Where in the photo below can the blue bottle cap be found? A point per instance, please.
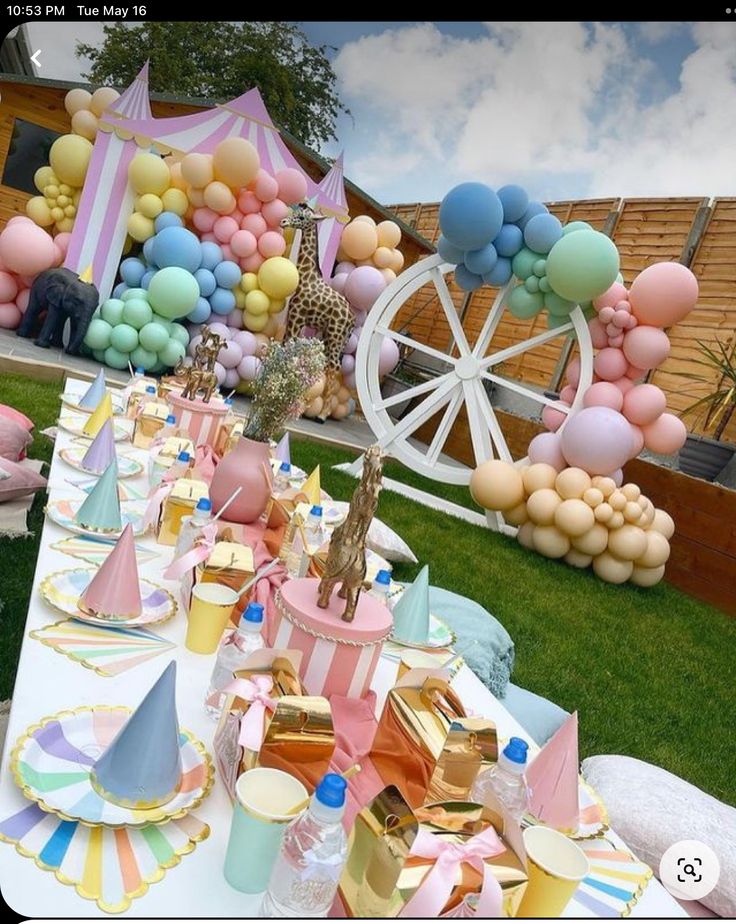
(383, 577)
(516, 750)
(183, 456)
(228, 400)
(204, 504)
(316, 511)
(150, 389)
(139, 370)
(331, 790)
(253, 613)
(171, 419)
(285, 467)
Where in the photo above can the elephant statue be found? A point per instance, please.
(62, 294)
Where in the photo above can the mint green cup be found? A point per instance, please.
(264, 802)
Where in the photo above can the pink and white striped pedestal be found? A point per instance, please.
(201, 420)
(338, 657)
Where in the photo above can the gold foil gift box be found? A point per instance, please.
(229, 563)
(228, 435)
(179, 503)
(173, 445)
(270, 721)
(138, 394)
(425, 743)
(151, 419)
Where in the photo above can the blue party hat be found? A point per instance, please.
(101, 508)
(281, 452)
(95, 393)
(411, 611)
(101, 452)
(141, 768)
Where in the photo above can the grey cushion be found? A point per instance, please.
(539, 716)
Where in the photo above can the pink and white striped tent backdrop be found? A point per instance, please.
(331, 189)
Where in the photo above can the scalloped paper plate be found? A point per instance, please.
(62, 590)
(52, 761)
(128, 467)
(72, 401)
(593, 814)
(63, 512)
(74, 423)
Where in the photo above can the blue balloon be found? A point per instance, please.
(481, 261)
(206, 282)
(514, 200)
(228, 274)
(542, 232)
(534, 208)
(147, 277)
(500, 274)
(509, 242)
(201, 312)
(167, 220)
(177, 247)
(119, 289)
(148, 250)
(471, 215)
(131, 271)
(211, 254)
(222, 301)
(449, 252)
(467, 280)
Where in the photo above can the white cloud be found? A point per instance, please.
(655, 32)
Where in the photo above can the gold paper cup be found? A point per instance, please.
(556, 866)
(208, 616)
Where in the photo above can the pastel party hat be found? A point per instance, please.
(114, 591)
(553, 779)
(101, 508)
(281, 452)
(141, 768)
(101, 413)
(95, 393)
(411, 611)
(101, 451)
(312, 489)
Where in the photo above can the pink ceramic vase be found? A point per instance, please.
(248, 466)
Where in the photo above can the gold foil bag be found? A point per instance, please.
(178, 504)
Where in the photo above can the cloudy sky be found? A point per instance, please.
(569, 110)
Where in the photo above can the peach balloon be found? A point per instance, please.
(552, 418)
(663, 294)
(271, 244)
(84, 123)
(218, 197)
(627, 542)
(632, 512)
(389, 234)
(593, 542)
(77, 100)
(537, 476)
(256, 224)
(551, 542)
(637, 440)
(389, 275)
(634, 373)
(274, 212)
(578, 559)
(248, 202)
(646, 577)
(614, 294)
(598, 334)
(603, 512)
(568, 394)
(657, 551)
(517, 516)
(197, 170)
(397, 260)
(243, 243)
(102, 99)
(235, 162)
(605, 485)
(382, 258)
(572, 483)
(593, 497)
(572, 373)
(624, 384)
(525, 535)
(646, 347)
(603, 394)
(541, 506)
(617, 500)
(643, 404)
(252, 263)
(292, 185)
(359, 240)
(224, 228)
(631, 491)
(663, 523)
(177, 180)
(496, 485)
(574, 517)
(611, 569)
(610, 364)
(265, 186)
(204, 219)
(196, 197)
(666, 435)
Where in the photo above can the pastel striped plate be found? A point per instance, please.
(95, 549)
(128, 467)
(614, 885)
(74, 423)
(51, 764)
(64, 511)
(126, 492)
(72, 401)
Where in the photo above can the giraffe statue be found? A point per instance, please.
(315, 303)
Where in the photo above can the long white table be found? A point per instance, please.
(48, 682)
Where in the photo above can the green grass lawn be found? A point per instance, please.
(646, 669)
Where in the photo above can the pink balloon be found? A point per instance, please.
(352, 345)
(271, 244)
(347, 363)
(265, 186)
(227, 253)
(58, 255)
(246, 341)
(235, 320)
(603, 394)
(624, 384)
(243, 243)
(617, 341)
(224, 228)
(545, 447)
(274, 212)
(610, 364)
(631, 322)
(663, 294)
(618, 477)
(220, 373)
(598, 334)
(22, 299)
(62, 240)
(222, 330)
(606, 315)
(643, 404)
(646, 347)
(248, 203)
(232, 378)
(208, 236)
(572, 375)
(634, 373)
(292, 185)
(612, 330)
(388, 357)
(8, 287)
(610, 297)
(568, 394)
(597, 439)
(665, 435)
(204, 219)
(256, 224)
(230, 355)
(621, 318)
(338, 282)
(345, 266)
(237, 215)
(637, 441)
(363, 287)
(349, 381)
(10, 316)
(252, 263)
(193, 343)
(20, 220)
(248, 368)
(26, 249)
(553, 419)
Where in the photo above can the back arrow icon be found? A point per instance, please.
(34, 58)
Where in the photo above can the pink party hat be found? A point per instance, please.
(101, 450)
(114, 592)
(553, 779)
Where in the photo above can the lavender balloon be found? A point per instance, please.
(597, 439)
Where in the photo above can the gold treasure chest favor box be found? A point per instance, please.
(229, 563)
(149, 421)
(179, 503)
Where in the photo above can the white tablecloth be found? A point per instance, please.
(48, 682)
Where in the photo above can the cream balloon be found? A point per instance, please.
(541, 506)
(538, 476)
(77, 100)
(574, 517)
(605, 485)
(389, 234)
(84, 123)
(631, 491)
(496, 485)
(617, 520)
(578, 559)
(627, 542)
(663, 523)
(235, 162)
(593, 542)
(516, 516)
(646, 577)
(572, 483)
(593, 497)
(611, 569)
(525, 535)
(657, 551)
(102, 99)
(551, 542)
(603, 512)
(617, 500)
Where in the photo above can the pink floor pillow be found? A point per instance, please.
(14, 438)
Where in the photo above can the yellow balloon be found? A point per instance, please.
(76, 196)
(148, 173)
(102, 99)
(359, 240)
(389, 234)
(239, 298)
(603, 512)
(541, 506)
(646, 577)
(70, 211)
(525, 535)
(616, 520)
(66, 224)
(69, 158)
(496, 485)
(177, 180)
(605, 485)
(632, 512)
(278, 277)
(627, 543)
(39, 212)
(593, 542)
(551, 542)
(61, 201)
(196, 197)
(537, 476)
(255, 322)
(236, 162)
(663, 523)
(248, 282)
(574, 517)
(257, 302)
(219, 197)
(149, 205)
(65, 190)
(76, 100)
(631, 491)
(617, 500)
(277, 305)
(611, 569)
(52, 191)
(572, 483)
(578, 559)
(657, 551)
(57, 213)
(84, 123)
(175, 200)
(140, 228)
(43, 177)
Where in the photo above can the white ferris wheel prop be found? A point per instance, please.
(461, 384)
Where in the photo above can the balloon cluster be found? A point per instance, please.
(25, 251)
(85, 108)
(238, 362)
(151, 180)
(581, 519)
(342, 407)
(262, 295)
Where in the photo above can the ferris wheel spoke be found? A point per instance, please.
(491, 322)
(502, 355)
(479, 432)
(443, 430)
(421, 413)
(414, 344)
(491, 422)
(450, 310)
(410, 393)
(520, 389)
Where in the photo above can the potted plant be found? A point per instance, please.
(702, 456)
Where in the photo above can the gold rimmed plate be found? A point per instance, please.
(64, 512)
(128, 467)
(72, 401)
(74, 423)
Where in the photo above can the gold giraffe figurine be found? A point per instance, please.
(200, 376)
(346, 556)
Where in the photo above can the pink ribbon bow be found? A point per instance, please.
(432, 894)
(254, 691)
(199, 553)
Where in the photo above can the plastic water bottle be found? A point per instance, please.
(192, 526)
(180, 468)
(313, 528)
(281, 481)
(313, 853)
(505, 780)
(381, 586)
(233, 653)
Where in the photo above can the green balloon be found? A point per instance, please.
(124, 338)
(540, 268)
(112, 311)
(172, 353)
(144, 358)
(544, 285)
(556, 320)
(159, 367)
(582, 265)
(524, 304)
(531, 284)
(180, 333)
(523, 263)
(133, 293)
(99, 355)
(98, 334)
(116, 359)
(576, 226)
(173, 292)
(153, 337)
(137, 312)
(556, 305)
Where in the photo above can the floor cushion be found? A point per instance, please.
(651, 809)
(539, 716)
(13, 439)
(12, 414)
(21, 480)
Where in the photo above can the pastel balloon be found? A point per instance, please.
(597, 439)
(77, 100)
(388, 357)
(256, 224)
(509, 241)
(218, 197)
(230, 355)
(665, 435)
(69, 158)
(26, 249)
(610, 364)
(248, 368)
(598, 334)
(251, 265)
(646, 347)
(552, 418)
(483, 260)
(227, 274)
(338, 282)
(177, 247)
(449, 252)
(545, 448)
(637, 440)
(271, 244)
(8, 287)
(612, 569)
(550, 541)
(514, 201)
(572, 483)
(206, 282)
(173, 292)
(663, 294)
(500, 274)
(347, 363)
(611, 297)
(643, 404)
(646, 577)
(359, 240)
(278, 277)
(496, 485)
(471, 215)
(224, 228)
(265, 186)
(84, 123)
(582, 265)
(102, 99)
(292, 185)
(235, 162)
(248, 202)
(572, 373)
(467, 280)
(246, 341)
(604, 394)
(364, 285)
(274, 212)
(243, 243)
(574, 517)
(568, 394)
(534, 208)
(389, 234)
(541, 233)
(10, 316)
